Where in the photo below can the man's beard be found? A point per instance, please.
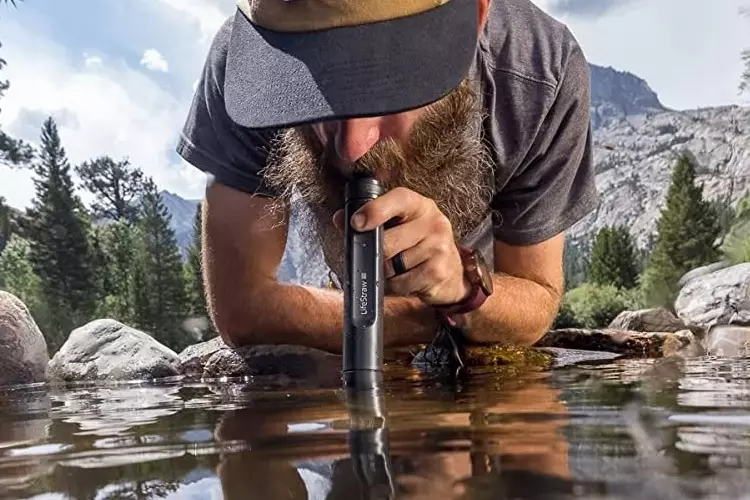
(444, 160)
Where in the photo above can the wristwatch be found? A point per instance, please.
(479, 276)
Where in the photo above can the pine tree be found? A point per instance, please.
(613, 258)
(115, 185)
(160, 297)
(575, 263)
(60, 250)
(687, 232)
(118, 242)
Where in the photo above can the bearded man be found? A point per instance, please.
(473, 113)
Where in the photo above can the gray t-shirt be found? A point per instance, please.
(535, 83)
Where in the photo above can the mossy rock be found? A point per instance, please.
(483, 356)
(503, 355)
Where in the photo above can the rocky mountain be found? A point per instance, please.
(183, 215)
(617, 95)
(634, 160)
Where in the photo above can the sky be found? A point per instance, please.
(118, 76)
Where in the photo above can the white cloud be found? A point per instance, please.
(105, 108)
(153, 60)
(92, 61)
(207, 14)
(690, 60)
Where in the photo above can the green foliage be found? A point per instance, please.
(160, 298)
(4, 224)
(736, 245)
(17, 275)
(58, 228)
(613, 258)
(118, 244)
(575, 263)
(687, 232)
(595, 306)
(565, 317)
(115, 186)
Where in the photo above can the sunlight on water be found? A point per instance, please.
(668, 428)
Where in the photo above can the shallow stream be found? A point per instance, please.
(666, 428)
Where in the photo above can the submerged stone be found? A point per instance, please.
(279, 361)
(628, 343)
(23, 350)
(106, 349)
(567, 357)
(501, 355)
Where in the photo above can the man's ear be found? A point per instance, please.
(484, 8)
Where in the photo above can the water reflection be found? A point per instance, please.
(432, 443)
(670, 428)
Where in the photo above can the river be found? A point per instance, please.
(659, 428)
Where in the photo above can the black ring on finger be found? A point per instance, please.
(398, 264)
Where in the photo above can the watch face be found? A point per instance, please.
(483, 273)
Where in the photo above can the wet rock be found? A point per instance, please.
(567, 357)
(648, 320)
(628, 343)
(275, 361)
(23, 350)
(106, 349)
(194, 358)
(728, 340)
(718, 298)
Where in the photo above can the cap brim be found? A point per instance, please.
(276, 79)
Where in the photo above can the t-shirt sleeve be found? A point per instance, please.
(211, 141)
(554, 186)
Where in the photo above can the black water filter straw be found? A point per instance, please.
(363, 291)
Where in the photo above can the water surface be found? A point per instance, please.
(668, 428)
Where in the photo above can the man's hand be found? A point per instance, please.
(424, 238)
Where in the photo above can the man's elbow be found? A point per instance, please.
(236, 327)
(537, 325)
(548, 312)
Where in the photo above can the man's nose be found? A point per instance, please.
(354, 138)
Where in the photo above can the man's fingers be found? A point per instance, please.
(402, 237)
(338, 220)
(412, 257)
(403, 203)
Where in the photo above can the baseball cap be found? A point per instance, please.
(291, 62)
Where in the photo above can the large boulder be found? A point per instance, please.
(194, 358)
(718, 298)
(648, 320)
(699, 272)
(629, 344)
(23, 350)
(106, 349)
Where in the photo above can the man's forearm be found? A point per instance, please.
(294, 314)
(519, 312)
